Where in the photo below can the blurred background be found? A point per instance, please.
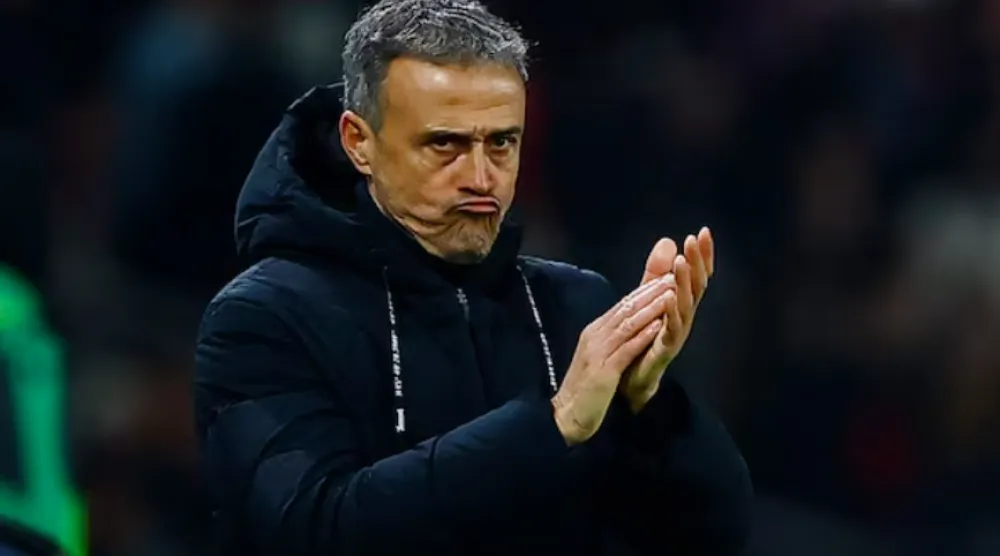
(845, 152)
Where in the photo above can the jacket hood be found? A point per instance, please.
(299, 195)
(304, 198)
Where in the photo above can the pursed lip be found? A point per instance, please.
(480, 206)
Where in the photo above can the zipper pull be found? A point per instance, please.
(463, 301)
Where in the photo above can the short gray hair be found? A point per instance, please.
(439, 31)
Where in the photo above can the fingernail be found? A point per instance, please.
(670, 294)
(680, 260)
(670, 279)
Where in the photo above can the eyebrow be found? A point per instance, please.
(465, 134)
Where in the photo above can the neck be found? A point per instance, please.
(411, 256)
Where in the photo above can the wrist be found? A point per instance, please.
(637, 400)
(565, 422)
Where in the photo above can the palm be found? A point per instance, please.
(691, 271)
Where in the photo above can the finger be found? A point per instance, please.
(667, 279)
(633, 324)
(685, 300)
(633, 303)
(624, 303)
(660, 260)
(699, 277)
(622, 357)
(671, 280)
(665, 337)
(652, 311)
(672, 321)
(707, 246)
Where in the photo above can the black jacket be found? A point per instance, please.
(356, 396)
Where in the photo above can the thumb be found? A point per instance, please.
(660, 260)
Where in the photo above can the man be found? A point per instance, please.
(390, 377)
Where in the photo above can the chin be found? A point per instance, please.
(468, 246)
(466, 256)
(471, 251)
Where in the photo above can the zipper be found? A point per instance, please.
(463, 301)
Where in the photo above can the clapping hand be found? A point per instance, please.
(686, 275)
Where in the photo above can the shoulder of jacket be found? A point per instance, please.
(571, 284)
(564, 275)
(282, 287)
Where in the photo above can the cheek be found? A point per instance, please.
(428, 189)
(410, 180)
(505, 178)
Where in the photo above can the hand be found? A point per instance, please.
(688, 276)
(606, 348)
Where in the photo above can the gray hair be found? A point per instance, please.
(439, 31)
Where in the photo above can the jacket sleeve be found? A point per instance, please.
(284, 460)
(680, 483)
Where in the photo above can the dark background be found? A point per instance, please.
(846, 154)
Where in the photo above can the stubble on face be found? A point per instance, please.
(450, 137)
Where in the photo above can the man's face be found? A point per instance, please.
(445, 159)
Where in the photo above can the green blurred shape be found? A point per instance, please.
(44, 499)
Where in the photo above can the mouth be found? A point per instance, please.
(480, 207)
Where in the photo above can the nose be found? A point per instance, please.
(479, 181)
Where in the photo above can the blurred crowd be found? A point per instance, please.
(846, 154)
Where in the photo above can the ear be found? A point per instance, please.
(357, 139)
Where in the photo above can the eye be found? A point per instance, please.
(441, 142)
(502, 141)
(446, 143)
